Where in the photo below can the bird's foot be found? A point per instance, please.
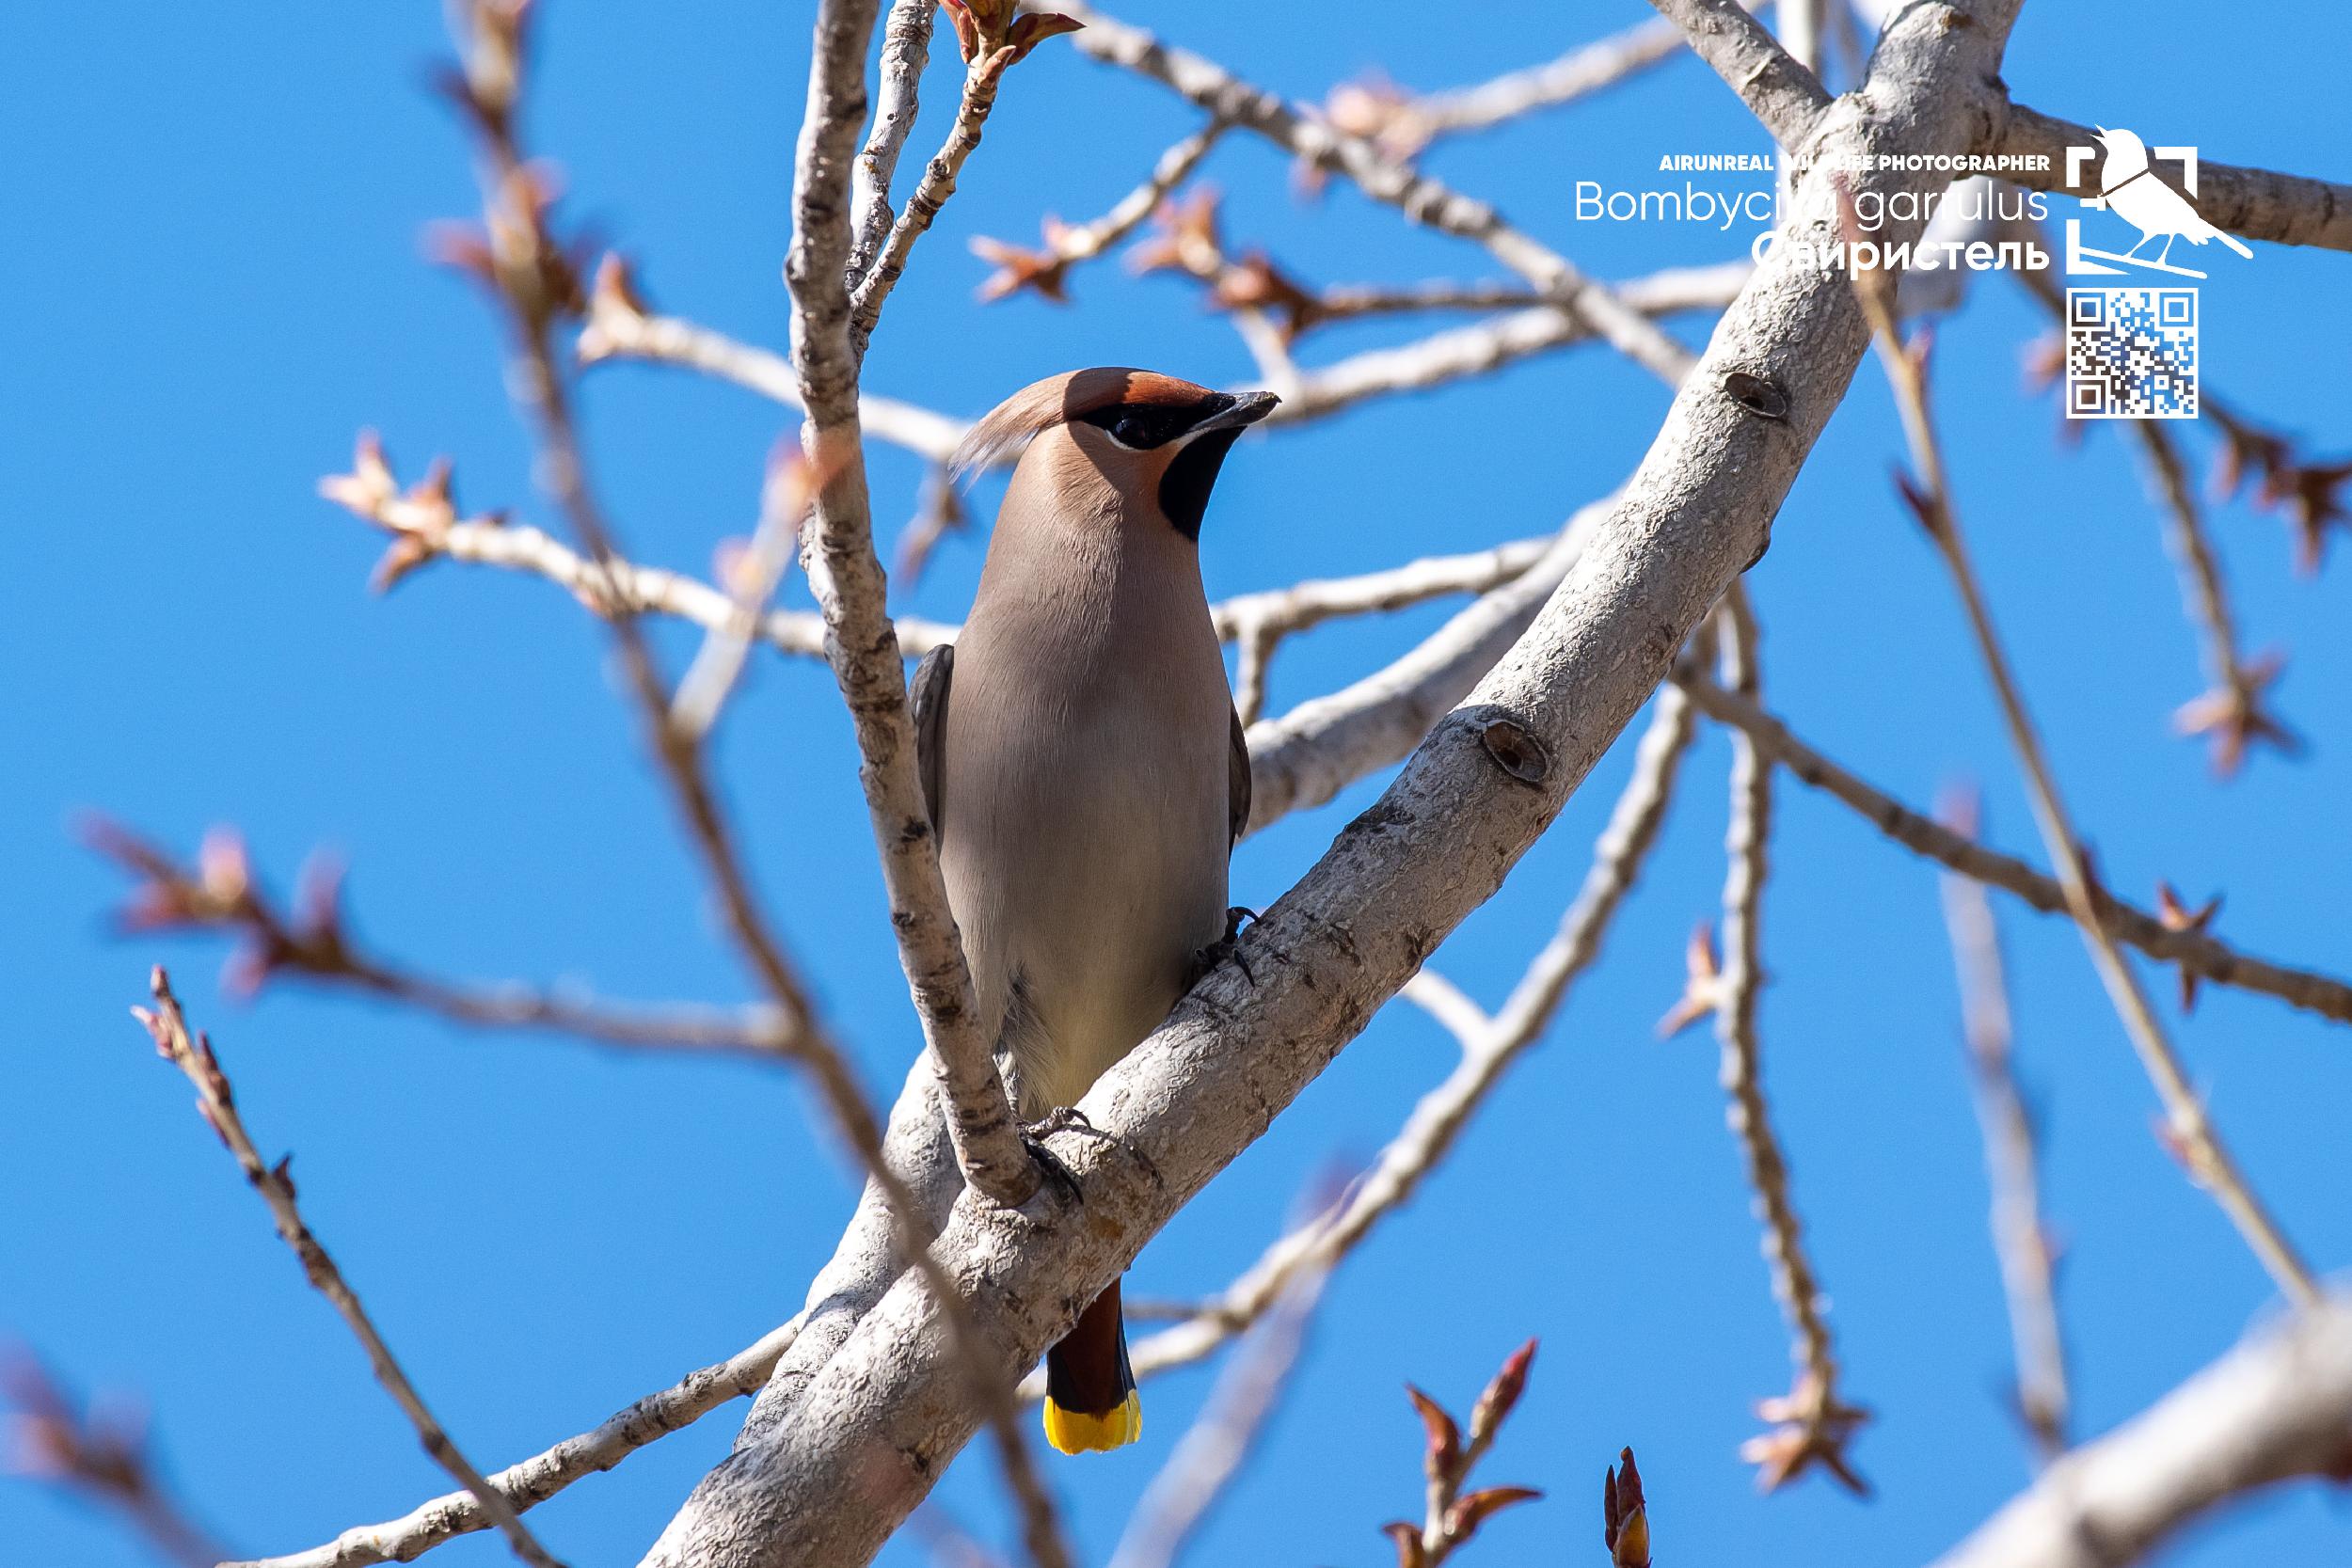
(1069, 1118)
(1061, 1118)
(1224, 947)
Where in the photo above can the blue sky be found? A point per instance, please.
(215, 281)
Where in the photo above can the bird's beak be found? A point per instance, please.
(1245, 409)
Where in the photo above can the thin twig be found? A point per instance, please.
(1579, 74)
(314, 941)
(1048, 270)
(981, 80)
(533, 1480)
(2197, 952)
(622, 326)
(1210, 86)
(2232, 712)
(103, 1456)
(1457, 353)
(528, 269)
(1258, 622)
(603, 590)
(718, 664)
(193, 1055)
(906, 49)
(2021, 1241)
(1815, 1423)
(1213, 1449)
(2188, 1125)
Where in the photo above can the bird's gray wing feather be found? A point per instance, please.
(1237, 782)
(931, 725)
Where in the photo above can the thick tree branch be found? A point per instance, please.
(861, 1436)
(2277, 1409)
(1775, 86)
(1490, 1044)
(2255, 203)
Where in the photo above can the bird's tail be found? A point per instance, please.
(2233, 243)
(1091, 1401)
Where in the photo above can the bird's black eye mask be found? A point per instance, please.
(1141, 426)
(1219, 418)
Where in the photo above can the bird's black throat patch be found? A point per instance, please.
(1184, 488)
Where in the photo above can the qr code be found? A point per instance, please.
(2131, 354)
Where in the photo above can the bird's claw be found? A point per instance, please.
(1069, 1118)
(1062, 1119)
(1224, 947)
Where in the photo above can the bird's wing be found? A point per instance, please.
(1237, 781)
(931, 724)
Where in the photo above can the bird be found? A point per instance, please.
(2147, 203)
(1084, 767)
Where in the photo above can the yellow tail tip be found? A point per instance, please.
(1076, 1432)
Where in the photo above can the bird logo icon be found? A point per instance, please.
(2128, 186)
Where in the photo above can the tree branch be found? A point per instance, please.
(1490, 1044)
(533, 1480)
(860, 644)
(906, 49)
(2277, 1409)
(2189, 1127)
(1775, 86)
(1211, 86)
(2194, 950)
(620, 325)
(2255, 203)
(193, 1055)
(104, 1457)
(861, 1435)
(2021, 1242)
(1815, 1424)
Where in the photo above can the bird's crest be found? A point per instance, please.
(999, 435)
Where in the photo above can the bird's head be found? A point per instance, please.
(1152, 444)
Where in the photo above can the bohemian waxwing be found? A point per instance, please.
(1089, 779)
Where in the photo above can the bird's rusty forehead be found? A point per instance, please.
(1112, 386)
